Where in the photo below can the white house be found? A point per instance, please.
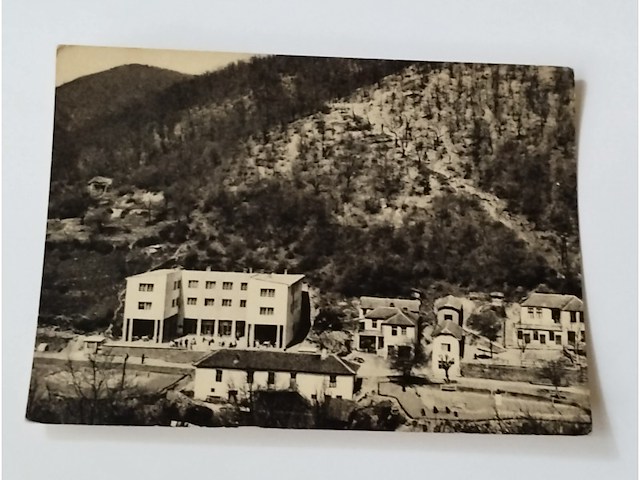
(446, 346)
(551, 321)
(233, 374)
(387, 331)
(243, 309)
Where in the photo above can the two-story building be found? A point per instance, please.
(239, 308)
(234, 374)
(551, 321)
(387, 331)
(446, 349)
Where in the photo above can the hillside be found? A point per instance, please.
(82, 101)
(368, 176)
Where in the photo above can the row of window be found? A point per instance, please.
(209, 285)
(271, 378)
(210, 302)
(146, 287)
(394, 330)
(540, 337)
(555, 314)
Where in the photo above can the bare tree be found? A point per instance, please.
(555, 371)
(445, 363)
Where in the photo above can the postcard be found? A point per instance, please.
(310, 242)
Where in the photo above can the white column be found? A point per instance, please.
(199, 326)
(278, 336)
(160, 330)
(130, 328)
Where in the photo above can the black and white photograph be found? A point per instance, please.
(312, 243)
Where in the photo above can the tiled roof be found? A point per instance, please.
(382, 313)
(401, 320)
(374, 302)
(276, 361)
(553, 300)
(448, 301)
(448, 327)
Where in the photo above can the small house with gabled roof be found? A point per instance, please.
(388, 331)
(447, 345)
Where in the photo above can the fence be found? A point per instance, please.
(517, 374)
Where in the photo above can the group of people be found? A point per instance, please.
(194, 342)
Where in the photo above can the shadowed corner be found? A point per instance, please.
(580, 95)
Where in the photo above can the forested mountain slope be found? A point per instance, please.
(368, 176)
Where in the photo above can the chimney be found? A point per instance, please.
(250, 269)
(324, 354)
(286, 271)
(208, 268)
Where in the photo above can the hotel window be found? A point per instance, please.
(573, 317)
(144, 305)
(555, 314)
(243, 286)
(227, 285)
(558, 339)
(192, 301)
(448, 316)
(226, 302)
(535, 335)
(218, 375)
(394, 331)
(267, 292)
(314, 396)
(224, 328)
(146, 287)
(403, 330)
(530, 311)
(446, 347)
(209, 285)
(193, 283)
(374, 324)
(266, 310)
(543, 338)
(538, 313)
(173, 302)
(208, 302)
(243, 303)
(293, 376)
(551, 336)
(271, 378)
(519, 334)
(249, 377)
(333, 379)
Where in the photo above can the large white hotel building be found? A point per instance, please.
(248, 309)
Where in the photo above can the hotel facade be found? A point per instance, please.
(233, 308)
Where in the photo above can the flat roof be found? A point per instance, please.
(282, 278)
